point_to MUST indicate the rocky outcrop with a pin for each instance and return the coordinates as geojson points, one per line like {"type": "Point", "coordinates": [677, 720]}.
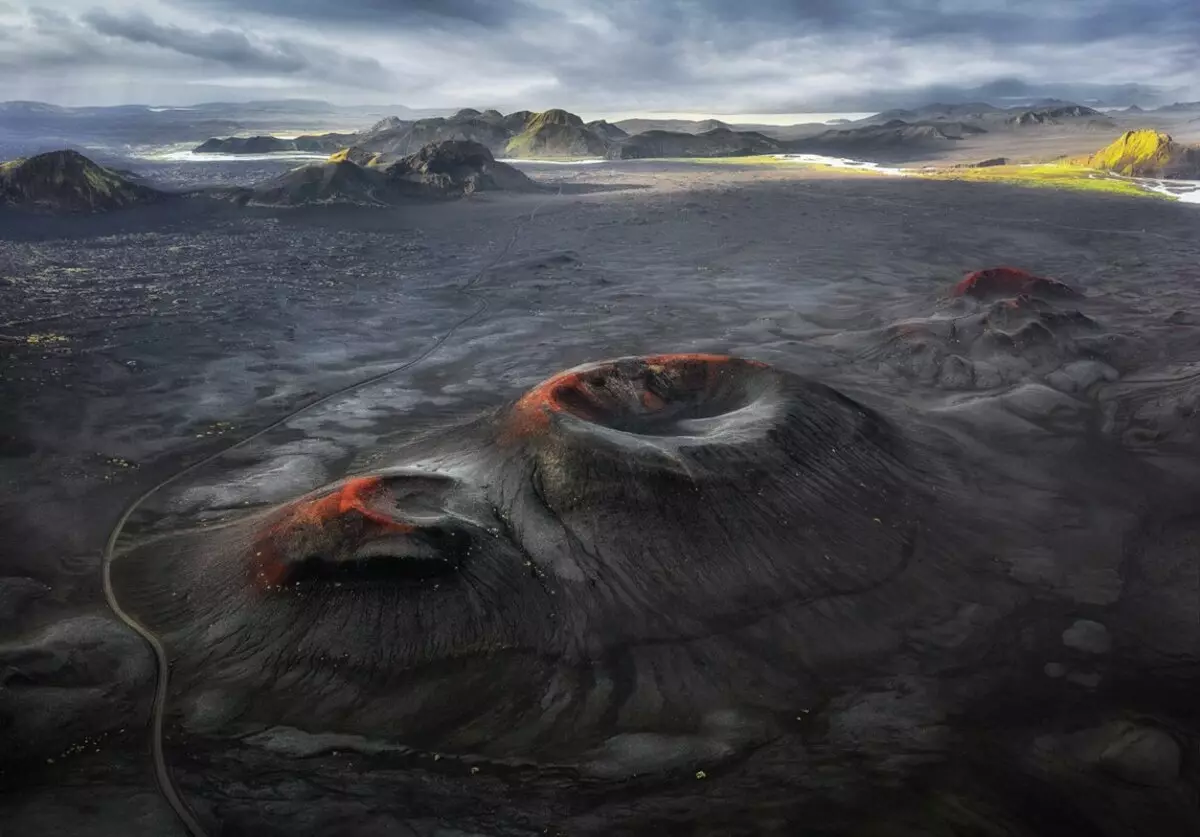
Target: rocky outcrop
{"type": "Point", "coordinates": [67, 181]}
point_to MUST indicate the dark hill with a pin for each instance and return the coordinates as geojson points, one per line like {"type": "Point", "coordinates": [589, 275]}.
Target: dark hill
{"type": "Point", "coordinates": [440, 170]}
{"type": "Point", "coordinates": [516, 120]}
{"type": "Point", "coordinates": [675, 126]}
{"type": "Point", "coordinates": [453, 169]}
{"type": "Point", "coordinates": [66, 181]}
{"type": "Point", "coordinates": [938, 112]}
{"type": "Point", "coordinates": [1070, 114]}
{"type": "Point", "coordinates": [340, 182]}
{"type": "Point", "coordinates": [389, 123]}
{"type": "Point", "coordinates": [606, 130]}
{"type": "Point", "coordinates": [721, 142]}
{"type": "Point", "coordinates": [316, 143]}
{"type": "Point", "coordinates": [411, 137]}
{"type": "Point", "coordinates": [891, 137]}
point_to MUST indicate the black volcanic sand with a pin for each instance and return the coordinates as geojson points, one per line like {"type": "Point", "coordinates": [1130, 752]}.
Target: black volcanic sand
{"type": "Point", "coordinates": [907, 563]}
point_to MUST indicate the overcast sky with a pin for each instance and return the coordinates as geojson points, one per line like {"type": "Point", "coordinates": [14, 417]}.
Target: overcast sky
{"type": "Point", "coordinates": [731, 56]}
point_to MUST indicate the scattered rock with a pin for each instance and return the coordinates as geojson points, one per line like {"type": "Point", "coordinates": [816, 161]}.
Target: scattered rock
{"type": "Point", "coordinates": [1087, 636]}
{"type": "Point", "coordinates": [1140, 755]}
{"type": "Point", "coordinates": [1143, 756]}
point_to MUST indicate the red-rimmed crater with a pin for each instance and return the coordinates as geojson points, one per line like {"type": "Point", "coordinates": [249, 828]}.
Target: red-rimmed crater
{"type": "Point", "coordinates": [653, 431]}
{"type": "Point", "coordinates": [366, 529]}
{"type": "Point", "coordinates": [994, 282]}
{"type": "Point", "coordinates": [656, 395]}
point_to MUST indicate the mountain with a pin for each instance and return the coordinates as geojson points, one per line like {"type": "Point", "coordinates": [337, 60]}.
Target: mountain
{"type": "Point", "coordinates": [515, 121]}
{"type": "Point", "coordinates": [678, 126]}
{"type": "Point", "coordinates": [388, 123]}
{"type": "Point", "coordinates": [409, 137]}
{"type": "Point", "coordinates": [317, 143]}
{"type": "Point", "coordinates": [1179, 107]}
{"type": "Point", "coordinates": [448, 169]}
{"type": "Point", "coordinates": [893, 136]}
{"type": "Point", "coordinates": [66, 181]}
{"type": "Point", "coordinates": [606, 130]}
{"type": "Point", "coordinates": [719, 142]}
{"type": "Point", "coordinates": [1059, 115]}
{"type": "Point", "coordinates": [556, 133]}
{"type": "Point", "coordinates": [1148, 153]}
{"type": "Point", "coordinates": [937, 112]}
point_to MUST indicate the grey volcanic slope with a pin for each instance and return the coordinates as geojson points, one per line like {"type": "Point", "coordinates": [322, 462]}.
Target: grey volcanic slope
{"type": "Point", "coordinates": [66, 181]}
{"type": "Point", "coordinates": [938, 539]}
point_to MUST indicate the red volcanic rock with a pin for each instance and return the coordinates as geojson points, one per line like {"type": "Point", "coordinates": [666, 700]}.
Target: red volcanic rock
{"type": "Point", "coordinates": [596, 391]}
{"type": "Point", "coordinates": [346, 514]}
{"type": "Point", "coordinates": [1010, 281]}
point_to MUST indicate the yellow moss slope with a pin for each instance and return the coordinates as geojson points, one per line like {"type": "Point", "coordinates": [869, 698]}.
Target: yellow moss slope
{"type": "Point", "coordinates": [1136, 153]}
{"type": "Point", "coordinates": [353, 154]}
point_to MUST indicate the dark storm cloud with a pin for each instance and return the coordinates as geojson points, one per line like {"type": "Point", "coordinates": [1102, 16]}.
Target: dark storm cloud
{"type": "Point", "coordinates": [622, 54]}
{"type": "Point", "coordinates": [995, 20]}
{"type": "Point", "coordinates": [1032, 21]}
{"type": "Point", "coordinates": [385, 12]}
{"type": "Point", "coordinates": [235, 49]}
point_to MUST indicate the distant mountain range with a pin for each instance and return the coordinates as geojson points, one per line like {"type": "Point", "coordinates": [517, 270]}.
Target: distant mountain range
{"type": "Point", "coordinates": [67, 182]}
{"type": "Point", "coordinates": [559, 133]}
{"type": "Point", "coordinates": [30, 127]}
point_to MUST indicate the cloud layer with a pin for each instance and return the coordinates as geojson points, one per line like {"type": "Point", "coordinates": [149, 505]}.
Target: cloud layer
{"type": "Point", "coordinates": [592, 55]}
